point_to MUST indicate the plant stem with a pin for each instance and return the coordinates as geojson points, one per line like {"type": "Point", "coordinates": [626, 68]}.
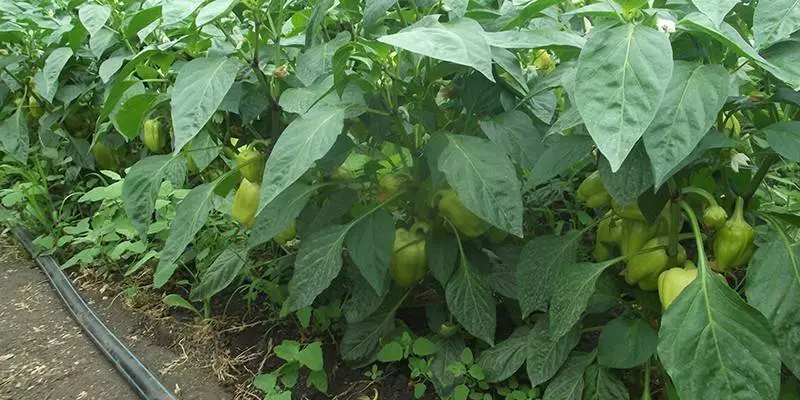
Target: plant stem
{"type": "Point", "coordinates": [762, 172]}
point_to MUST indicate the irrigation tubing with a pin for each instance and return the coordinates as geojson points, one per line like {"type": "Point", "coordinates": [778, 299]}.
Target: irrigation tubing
{"type": "Point", "coordinates": [146, 385]}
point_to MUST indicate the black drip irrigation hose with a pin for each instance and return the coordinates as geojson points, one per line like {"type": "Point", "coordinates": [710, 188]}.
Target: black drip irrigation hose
{"type": "Point", "coordinates": [138, 376]}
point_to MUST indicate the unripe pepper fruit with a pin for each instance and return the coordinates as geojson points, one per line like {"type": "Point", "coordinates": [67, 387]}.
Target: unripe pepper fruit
{"type": "Point", "coordinates": [287, 234]}
{"type": "Point", "coordinates": [35, 108]}
{"type": "Point", "coordinates": [714, 217]}
{"type": "Point", "coordinates": [643, 269]}
{"type": "Point", "coordinates": [592, 191]}
{"type": "Point", "coordinates": [733, 244]}
{"type": "Point", "coordinates": [245, 203]}
{"type": "Point", "coordinates": [635, 234]}
{"type": "Point", "coordinates": [603, 252]}
{"type": "Point", "coordinates": [409, 261]}
{"type": "Point", "coordinates": [251, 163]}
{"type": "Point", "coordinates": [104, 157]}
{"type": "Point", "coordinates": [153, 136]}
{"type": "Point", "coordinates": [469, 224]}
{"type": "Point", "coordinates": [390, 185]}
{"type": "Point", "coordinates": [673, 281]}
{"type": "Point", "coordinates": [609, 230]}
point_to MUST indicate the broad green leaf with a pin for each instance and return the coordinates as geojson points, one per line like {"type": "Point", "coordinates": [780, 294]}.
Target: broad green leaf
{"type": "Point", "coordinates": [566, 120]}
{"type": "Point", "coordinates": [470, 299]}
{"type": "Point", "coordinates": [521, 13]}
{"type": "Point", "coordinates": [140, 190]}
{"type": "Point", "coordinates": [93, 16]}
{"type": "Point", "coordinates": [203, 149]}
{"type": "Point", "coordinates": [222, 272]}
{"type": "Point", "coordinates": [46, 80]}
{"type": "Point", "coordinates": [140, 20]}
{"type": "Point", "coordinates": [541, 259]}
{"type": "Point", "coordinates": [362, 300]}
{"type": "Point", "coordinates": [14, 139]}
{"type": "Point", "coordinates": [304, 141]}
{"type": "Point", "coordinates": [442, 252]}
{"type": "Point", "coordinates": [568, 383]}
{"type": "Point", "coordinates": [311, 356]}
{"type": "Point", "coordinates": [317, 61]}
{"type": "Point", "coordinates": [374, 10]}
{"type": "Point", "coordinates": [318, 263]}
{"type": "Point", "coordinates": [515, 133]}
{"type": "Point", "coordinates": [460, 42]}
{"type": "Point", "coordinates": [190, 217]}
{"type": "Point", "coordinates": [601, 384]}
{"type": "Point", "coordinates": [784, 138]}
{"type": "Point", "coordinates": [391, 352]}
{"type": "Point", "coordinates": [370, 244]}
{"type": "Point", "coordinates": [545, 354]}
{"type": "Point", "coordinates": [773, 288]}
{"type": "Point", "coordinates": [315, 22]}
{"type": "Point", "coordinates": [175, 300]}
{"type": "Point", "coordinates": [102, 41]}
{"type": "Point", "coordinates": [504, 359]}
{"type": "Point", "coordinates": [634, 178]}
{"type": "Point", "coordinates": [175, 11]}
{"type": "Point", "coordinates": [279, 213]}
{"type": "Point", "coordinates": [622, 75]}
{"type": "Point", "coordinates": [449, 352]}
{"type": "Point", "coordinates": [534, 39]}
{"type": "Point", "coordinates": [625, 343]}
{"type": "Point", "coordinates": [423, 346]}
{"type": "Point", "coordinates": [361, 339]}
{"type": "Point", "coordinates": [561, 153]}
{"type": "Point", "coordinates": [695, 95]}
{"type": "Point", "coordinates": [110, 66]}
{"type": "Point", "coordinates": [785, 56]}
{"type": "Point", "coordinates": [716, 10]}
{"type": "Point", "coordinates": [607, 10]}
{"type": "Point", "coordinates": [485, 180]}
{"type": "Point", "coordinates": [574, 285]}
{"type": "Point", "coordinates": [774, 21]}
{"type": "Point", "coordinates": [199, 89]}
{"type": "Point", "coordinates": [133, 112]}
{"type": "Point", "coordinates": [214, 10]}
{"type": "Point", "coordinates": [320, 94]}
{"type": "Point", "coordinates": [713, 345]}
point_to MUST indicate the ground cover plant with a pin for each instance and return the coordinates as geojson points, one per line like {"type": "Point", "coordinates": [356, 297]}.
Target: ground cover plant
{"type": "Point", "coordinates": [511, 199]}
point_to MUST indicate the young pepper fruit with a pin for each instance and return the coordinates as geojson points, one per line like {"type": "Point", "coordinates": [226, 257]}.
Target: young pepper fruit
{"type": "Point", "coordinates": [592, 191]}
{"type": "Point", "coordinates": [252, 163]}
{"type": "Point", "coordinates": [469, 224]}
{"type": "Point", "coordinates": [733, 245]}
{"type": "Point", "coordinates": [672, 282]}
{"type": "Point", "coordinates": [409, 261]}
{"type": "Point", "coordinates": [643, 269]}
{"type": "Point", "coordinates": [714, 216]}
{"type": "Point", "coordinates": [287, 234]}
{"type": "Point", "coordinates": [245, 203]}
{"type": "Point", "coordinates": [153, 137]}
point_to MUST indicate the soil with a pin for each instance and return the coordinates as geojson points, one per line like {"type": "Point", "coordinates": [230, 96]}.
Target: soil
{"type": "Point", "coordinates": [45, 355]}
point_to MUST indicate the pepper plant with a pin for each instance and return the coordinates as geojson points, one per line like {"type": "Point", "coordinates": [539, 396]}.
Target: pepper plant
{"type": "Point", "coordinates": [424, 161]}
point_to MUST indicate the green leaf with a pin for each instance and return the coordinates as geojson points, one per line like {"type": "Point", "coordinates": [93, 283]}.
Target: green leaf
{"type": "Point", "coordinates": [265, 382]}
{"type": "Point", "coordinates": [694, 96]}
{"type": "Point", "coordinates": [279, 213]}
{"type": "Point", "coordinates": [784, 139]}
{"type": "Point", "coordinates": [199, 90]}
{"type": "Point", "coordinates": [773, 288]}
{"type": "Point", "coordinates": [363, 300]}
{"type": "Point", "coordinates": [287, 350]}
{"type": "Point", "coordinates": [140, 190]}
{"type": "Point", "coordinates": [460, 42]}
{"type": "Point", "coordinates": [317, 61]}
{"type": "Point", "coordinates": [175, 11]}
{"type": "Point", "coordinates": [361, 339]}
{"type": "Point", "coordinates": [14, 138]}
{"type": "Point", "coordinates": [774, 21]}
{"type": "Point", "coordinates": [93, 16]}
{"type": "Point", "coordinates": [174, 300]}
{"type": "Point", "coordinates": [222, 272]}
{"type": "Point", "coordinates": [461, 392]}
{"type": "Point", "coordinates": [485, 180]}
{"type": "Point", "coordinates": [370, 244]}
{"type": "Point", "coordinates": [470, 299]}
{"type": "Point", "coordinates": [622, 75]}
{"type": "Point", "coordinates": [625, 343]}
{"type": "Point", "coordinates": [442, 252]}
{"type": "Point", "coordinates": [716, 10]}
{"type": "Point", "coordinates": [522, 13]}
{"type": "Point", "coordinates": [304, 141]}
{"type": "Point", "coordinates": [318, 263]}
{"type": "Point", "coordinates": [46, 80]}
{"type": "Point", "coordinates": [601, 384]}
{"type": "Point", "coordinates": [546, 353]}
{"type": "Point", "coordinates": [515, 133]}
{"type": "Point", "coordinates": [629, 182]}
{"type": "Point", "coordinates": [466, 356]}
{"type": "Point", "coordinates": [190, 217]}
{"type": "Point", "coordinates": [574, 286]}
{"type": "Point", "coordinates": [450, 350]}
{"type": "Point", "coordinates": [133, 112]}
{"type": "Point", "coordinates": [311, 356]}
{"type": "Point", "coordinates": [713, 345]}
{"type": "Point", "coordinates": [203, 149]}
{"type": "Point", "coordinates": [423, 347]}
{"type": "Point", "coordinates": [315, 21]}
{"type": "Point", "coordinates": [504, 359]}
{"type": "Point", "coordinates": [539, 262]}
{"type": "Point", "coordinates": [535, 39]}
{"type": "Point", "coordinates": [391, 352]}
{"type": "Point", "coordinates": [214, 10]}
{"type": "Point", "coordinates": [562, 152]}
{"type": "Point", "coordinates": [317, 379]}
{"type": "Point", "coordinates": [785, 56]}
{"type": "Point", "coordinates": [374, 11]}
{"type": "Point", "coordinates": [568, 383]}
{"type": "Point", "coordinates": [140, 20]}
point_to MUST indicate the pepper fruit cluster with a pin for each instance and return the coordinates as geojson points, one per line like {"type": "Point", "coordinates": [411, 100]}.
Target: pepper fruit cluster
{"type": "Point", "coordinates": [734, 241]}
{"type": "Point", "coordinates": [409, 260]}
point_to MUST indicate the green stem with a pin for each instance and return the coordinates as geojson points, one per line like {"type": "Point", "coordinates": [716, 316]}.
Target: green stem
{"type": "Point", "coordinates": [700, 192]}
{"type": "Point", "coordinates": [698, 238]}
{"type": "Point", "coordinates": [674, 230]}
{"type": "Point", "coordinates": [646, 389]}
{"type": "Point", "coordinates": [762, 172]}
